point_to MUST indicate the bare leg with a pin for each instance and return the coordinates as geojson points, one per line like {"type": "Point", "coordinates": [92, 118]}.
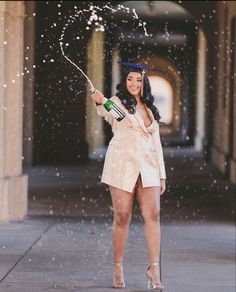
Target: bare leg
{"type": "Point", "coordinates": [149, 203]}
{"type": "Point", "coordinates": [122, 204]}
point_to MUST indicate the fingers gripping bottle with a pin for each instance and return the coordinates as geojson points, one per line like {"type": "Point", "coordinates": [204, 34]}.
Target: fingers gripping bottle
{"type": "Point", "coordinates": [112, 108]}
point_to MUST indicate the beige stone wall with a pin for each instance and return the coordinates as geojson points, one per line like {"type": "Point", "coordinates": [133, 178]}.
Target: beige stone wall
{"type": "Point", "coordinates": [222, 155]}
{"type": "Point", "coordinates": [13, 184]}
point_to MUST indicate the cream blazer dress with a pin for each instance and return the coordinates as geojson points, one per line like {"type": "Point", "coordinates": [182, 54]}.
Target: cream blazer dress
{"type": "Point", "coordinates": [134, 149]}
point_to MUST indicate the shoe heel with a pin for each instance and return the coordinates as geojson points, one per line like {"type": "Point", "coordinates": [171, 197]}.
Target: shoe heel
{"type": "Point", "coordinates": [116, 284]}
{"type": "Point", "coordinates": [151, 285]}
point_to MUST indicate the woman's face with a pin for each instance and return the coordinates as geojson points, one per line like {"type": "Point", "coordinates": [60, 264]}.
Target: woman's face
{"type": "Point", "coordinates": [133, 83]}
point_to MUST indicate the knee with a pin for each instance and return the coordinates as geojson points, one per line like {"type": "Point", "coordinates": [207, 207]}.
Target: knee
{"type": "Point", "coordinates": [122, 218]}
{"type": "Point", "coordinates": [151, 216]}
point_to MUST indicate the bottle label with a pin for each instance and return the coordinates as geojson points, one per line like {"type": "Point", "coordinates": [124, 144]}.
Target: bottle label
{"type": "Point", "coordinates": [118, 110]}
{"type": "Point", "coordinates": [117, 115]}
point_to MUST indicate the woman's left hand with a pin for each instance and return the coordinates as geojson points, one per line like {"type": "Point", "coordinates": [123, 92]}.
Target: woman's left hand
{"type": "Point", "coordinates": [163, 186]}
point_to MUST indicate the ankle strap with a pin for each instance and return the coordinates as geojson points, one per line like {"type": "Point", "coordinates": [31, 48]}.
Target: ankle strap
{"type": "Point", "coordinates": [117, 264]}
{"type": "Point", "coordinates": [154, 264]}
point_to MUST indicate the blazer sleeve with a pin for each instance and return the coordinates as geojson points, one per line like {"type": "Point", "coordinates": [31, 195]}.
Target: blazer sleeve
{"type": "Point", "coordinates": [160, 156]}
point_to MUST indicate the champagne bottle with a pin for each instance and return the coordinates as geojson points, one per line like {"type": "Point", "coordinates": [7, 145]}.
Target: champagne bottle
{"type": "Point", "coordinates": [111, 107]}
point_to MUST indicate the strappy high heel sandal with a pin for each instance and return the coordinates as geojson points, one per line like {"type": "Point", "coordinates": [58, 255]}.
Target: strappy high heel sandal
{"type": "Point", "coordinates": [118, 282]}
{"type": "Point", "coordinates": [153, 284]}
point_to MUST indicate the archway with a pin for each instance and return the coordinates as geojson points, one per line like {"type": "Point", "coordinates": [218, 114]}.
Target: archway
{"type": "Point", "coordinates": [173, 48]}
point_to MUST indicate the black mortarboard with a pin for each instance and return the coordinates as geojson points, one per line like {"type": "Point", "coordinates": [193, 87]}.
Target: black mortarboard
{"type": "Point", "coordinates": [128, 67]}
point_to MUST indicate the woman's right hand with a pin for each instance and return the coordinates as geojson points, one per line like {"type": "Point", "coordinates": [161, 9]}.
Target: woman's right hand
{"type": "Point", "coordinates": [97, 96]}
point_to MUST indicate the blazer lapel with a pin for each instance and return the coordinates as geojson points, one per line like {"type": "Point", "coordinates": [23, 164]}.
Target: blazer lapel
{"type": "Point", "coordinates": [140, 119]}
{"type": "Point", "coordinates": [150, 114]}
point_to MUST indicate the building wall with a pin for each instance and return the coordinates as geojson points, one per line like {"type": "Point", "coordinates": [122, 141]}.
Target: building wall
{"type": "Point", "coordinates": [223, 152]}
{"type": "Point", "coordinates": [217, 19]}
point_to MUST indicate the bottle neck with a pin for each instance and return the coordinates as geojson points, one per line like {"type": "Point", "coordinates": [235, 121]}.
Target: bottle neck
{"type": "Point", "coordinates": [104, 100]}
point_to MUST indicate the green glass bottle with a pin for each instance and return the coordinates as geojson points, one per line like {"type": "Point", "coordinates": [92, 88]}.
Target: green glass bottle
{"type": "Point", "coordinates": [111, 107]}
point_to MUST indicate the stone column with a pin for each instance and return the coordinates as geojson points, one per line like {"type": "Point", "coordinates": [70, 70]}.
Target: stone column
{"type": "Point", "coordinates": [95, 72]}
{"type": "Point", "coordinates": [13, 184]}
{"type": "Point", "coordinates": [200, 92]}
{"type": "Point", "coordinates": [221, 151]}
{"type": "Point", "coordinates": [232, 161]}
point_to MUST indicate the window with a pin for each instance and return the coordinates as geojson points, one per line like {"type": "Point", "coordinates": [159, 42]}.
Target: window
{"type": "Point", "coordinates": [163, 97]}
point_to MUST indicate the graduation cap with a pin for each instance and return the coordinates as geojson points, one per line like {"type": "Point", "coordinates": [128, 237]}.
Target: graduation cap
{"type": "Point", "coordinates": [132, 67]}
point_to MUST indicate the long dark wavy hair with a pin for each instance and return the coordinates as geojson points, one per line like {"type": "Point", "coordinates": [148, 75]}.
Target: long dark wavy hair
{"type": "Point", "coordinates": [129, 100]}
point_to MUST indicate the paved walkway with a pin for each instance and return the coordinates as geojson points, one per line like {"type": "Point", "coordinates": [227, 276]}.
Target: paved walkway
{"type": "Point", "coordinates": [73, 254]}
{"type": "Point", "coordinates": [64, 244]}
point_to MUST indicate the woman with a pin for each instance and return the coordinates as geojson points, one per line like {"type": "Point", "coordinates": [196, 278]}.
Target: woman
{"type": "Point", "coordinates": [134, 164]}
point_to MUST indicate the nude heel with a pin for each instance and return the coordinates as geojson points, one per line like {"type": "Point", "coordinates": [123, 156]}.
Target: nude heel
{"type": "Point", "coordinates": [118, 284]}
{"type": "Point", "coordinates": [151, 282]}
